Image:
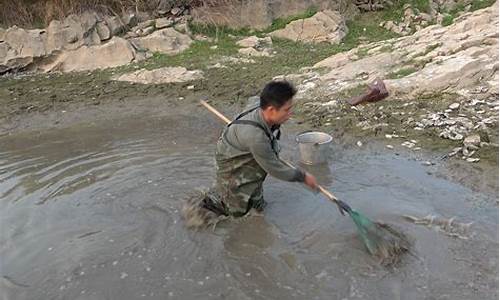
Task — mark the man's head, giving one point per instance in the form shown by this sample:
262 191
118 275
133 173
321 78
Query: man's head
276 101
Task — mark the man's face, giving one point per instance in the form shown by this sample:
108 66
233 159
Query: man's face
281 115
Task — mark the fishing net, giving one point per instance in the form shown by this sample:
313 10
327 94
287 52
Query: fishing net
381 240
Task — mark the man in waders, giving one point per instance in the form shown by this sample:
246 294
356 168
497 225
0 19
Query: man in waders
248 150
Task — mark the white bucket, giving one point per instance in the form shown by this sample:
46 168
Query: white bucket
314 147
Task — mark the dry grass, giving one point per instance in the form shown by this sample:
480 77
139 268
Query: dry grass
39 13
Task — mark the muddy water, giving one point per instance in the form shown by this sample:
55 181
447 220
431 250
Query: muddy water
92 212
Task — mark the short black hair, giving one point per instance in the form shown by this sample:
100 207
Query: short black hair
276 93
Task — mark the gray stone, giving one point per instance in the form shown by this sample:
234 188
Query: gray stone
94 38
162 75
255 42
163 23
325 26
147 31
145 24
426 17
115 25
168 41
472 160
176 11
129 19
103 31
472 140
2 34
116 52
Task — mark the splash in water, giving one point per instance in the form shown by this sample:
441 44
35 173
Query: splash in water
196 212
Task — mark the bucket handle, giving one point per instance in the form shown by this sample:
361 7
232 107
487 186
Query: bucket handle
307 131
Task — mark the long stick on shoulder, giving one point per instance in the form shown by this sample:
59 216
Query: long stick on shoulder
227 121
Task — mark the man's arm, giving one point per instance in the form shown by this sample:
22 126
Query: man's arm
269 161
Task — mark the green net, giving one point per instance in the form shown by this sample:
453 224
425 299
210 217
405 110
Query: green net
381 240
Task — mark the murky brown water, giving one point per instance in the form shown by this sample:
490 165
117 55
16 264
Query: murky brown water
92 212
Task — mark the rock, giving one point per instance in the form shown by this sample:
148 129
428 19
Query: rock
255 42
115 25
182 27
176 11
164 6
25 43
472 140
87 20
21 47
103 31
199 37
472 160
326 26
253 52
148 31
426 17
163 23
408 13
389 147
162 75
168 41
114 53
145 24
454 106
455 64
94 38
130 35
61 36
129 19
408 144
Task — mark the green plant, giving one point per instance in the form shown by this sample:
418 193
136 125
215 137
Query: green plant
447 20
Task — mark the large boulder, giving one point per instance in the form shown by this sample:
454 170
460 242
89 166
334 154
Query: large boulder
436 59
72 33
168 41
24 43
325 26
260 14
161 23
116 52
162 75
20 47
103 31
115 24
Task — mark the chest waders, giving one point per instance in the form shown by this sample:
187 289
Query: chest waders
240 179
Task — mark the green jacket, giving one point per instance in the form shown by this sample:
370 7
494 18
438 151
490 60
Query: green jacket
244 143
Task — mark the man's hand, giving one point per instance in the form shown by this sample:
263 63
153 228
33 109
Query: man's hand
311 182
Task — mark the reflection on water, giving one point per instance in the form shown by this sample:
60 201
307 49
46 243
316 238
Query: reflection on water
92 212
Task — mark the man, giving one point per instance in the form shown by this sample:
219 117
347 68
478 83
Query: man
248 150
